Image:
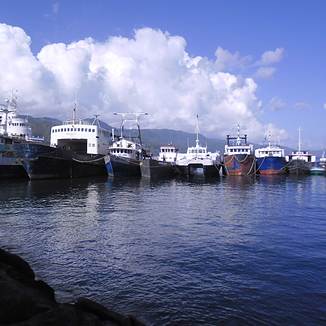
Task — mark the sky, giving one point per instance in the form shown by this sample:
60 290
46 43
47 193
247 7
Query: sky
261 64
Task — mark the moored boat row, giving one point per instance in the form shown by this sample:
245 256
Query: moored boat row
81 148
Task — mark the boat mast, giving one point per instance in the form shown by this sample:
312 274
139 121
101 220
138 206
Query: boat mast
74 113
130 116
299 141
269 138
197 132
238 138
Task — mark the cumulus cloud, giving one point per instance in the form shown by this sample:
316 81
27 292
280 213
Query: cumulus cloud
55 8
151 72
265 72
225 60
271 57
265 66
301 105
276 104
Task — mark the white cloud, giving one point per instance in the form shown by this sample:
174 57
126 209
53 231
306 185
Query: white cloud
265 72
276 104
271 57
55 8
150 72
225 60
301 105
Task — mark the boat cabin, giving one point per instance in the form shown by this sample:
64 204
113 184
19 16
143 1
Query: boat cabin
237 145
302 156
126 149
13 125
168 153
269 151
81 137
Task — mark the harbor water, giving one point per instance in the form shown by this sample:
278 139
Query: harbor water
235 250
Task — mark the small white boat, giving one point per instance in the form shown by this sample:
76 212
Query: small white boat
198 160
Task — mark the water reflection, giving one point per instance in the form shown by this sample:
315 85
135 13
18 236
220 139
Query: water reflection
178 250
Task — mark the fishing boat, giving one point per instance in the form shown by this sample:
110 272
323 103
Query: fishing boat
317 170
198 161
161 167
300 162
239 158
270 160
77 149
322 161
16 140
126 153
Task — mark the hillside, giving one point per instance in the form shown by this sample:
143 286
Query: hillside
152 138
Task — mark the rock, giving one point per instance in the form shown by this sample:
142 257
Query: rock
18 263
100 311
19 300
63 315
25 301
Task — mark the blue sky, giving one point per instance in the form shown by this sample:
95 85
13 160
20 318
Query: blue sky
293 95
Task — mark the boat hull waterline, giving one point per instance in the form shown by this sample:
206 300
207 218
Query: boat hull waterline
155 169
240 164
122 167
271 165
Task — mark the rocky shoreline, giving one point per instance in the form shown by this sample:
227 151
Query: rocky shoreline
25 301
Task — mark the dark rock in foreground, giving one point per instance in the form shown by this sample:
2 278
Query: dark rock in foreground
25 301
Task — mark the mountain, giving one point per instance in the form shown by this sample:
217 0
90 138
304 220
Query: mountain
42 126
152 138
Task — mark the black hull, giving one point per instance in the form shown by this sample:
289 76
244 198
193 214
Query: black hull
12 172
299 167
154 169
48 168
64 166
122 167
85 168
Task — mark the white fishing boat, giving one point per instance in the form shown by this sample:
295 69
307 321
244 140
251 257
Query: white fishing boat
16 140
198 160
322 161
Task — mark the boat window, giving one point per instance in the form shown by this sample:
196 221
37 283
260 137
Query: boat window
82 129
78 129
93 130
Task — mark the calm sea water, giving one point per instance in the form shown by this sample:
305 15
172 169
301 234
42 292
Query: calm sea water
232 251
